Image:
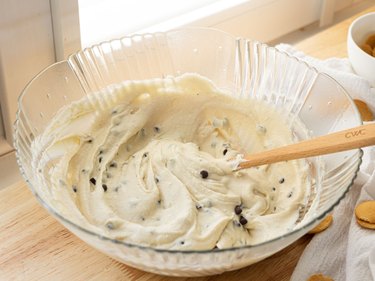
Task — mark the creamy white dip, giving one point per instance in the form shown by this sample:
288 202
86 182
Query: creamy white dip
150 163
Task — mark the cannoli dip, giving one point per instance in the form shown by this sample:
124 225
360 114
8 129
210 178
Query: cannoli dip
150 163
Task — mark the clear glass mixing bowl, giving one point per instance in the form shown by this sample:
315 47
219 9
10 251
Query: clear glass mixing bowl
249 70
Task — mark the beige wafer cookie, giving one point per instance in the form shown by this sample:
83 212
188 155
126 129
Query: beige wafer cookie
365 214
319 277
364 110
369 45
367 48
371 40
366 224
323 225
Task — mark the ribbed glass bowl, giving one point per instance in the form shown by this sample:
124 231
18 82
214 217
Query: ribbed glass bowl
249 70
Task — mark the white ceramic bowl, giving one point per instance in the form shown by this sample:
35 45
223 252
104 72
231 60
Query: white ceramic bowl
363 63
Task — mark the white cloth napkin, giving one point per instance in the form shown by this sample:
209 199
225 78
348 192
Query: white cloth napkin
345 251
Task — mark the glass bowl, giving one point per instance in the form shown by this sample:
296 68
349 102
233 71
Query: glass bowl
247 69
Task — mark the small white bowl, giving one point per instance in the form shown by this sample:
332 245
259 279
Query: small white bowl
362 63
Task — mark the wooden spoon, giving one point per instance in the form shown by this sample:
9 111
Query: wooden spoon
357 137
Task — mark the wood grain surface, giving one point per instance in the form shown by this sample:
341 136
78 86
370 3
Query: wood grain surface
34 246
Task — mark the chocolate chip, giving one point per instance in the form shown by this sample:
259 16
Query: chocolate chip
114 111
159 202
225 151
156 180
105 187
198 206
100 159
113 165
145 154
182 242
238 210
101 151
156 129
243 220
273 188
110 225
290 194
93 181
204 174
282 180
89 141
74 188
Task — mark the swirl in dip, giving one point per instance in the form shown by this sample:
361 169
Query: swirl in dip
150 163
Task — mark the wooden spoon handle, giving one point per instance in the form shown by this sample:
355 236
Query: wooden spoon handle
357 137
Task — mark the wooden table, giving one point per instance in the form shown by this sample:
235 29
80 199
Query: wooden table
33 246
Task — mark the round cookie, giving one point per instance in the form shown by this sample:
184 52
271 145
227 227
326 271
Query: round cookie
367 48
366 224
319 277
371 40
323 225
365 214
364 110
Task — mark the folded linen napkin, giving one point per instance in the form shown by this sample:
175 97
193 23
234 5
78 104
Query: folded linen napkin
344 251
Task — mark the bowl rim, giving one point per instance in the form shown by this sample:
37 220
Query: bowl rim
64 220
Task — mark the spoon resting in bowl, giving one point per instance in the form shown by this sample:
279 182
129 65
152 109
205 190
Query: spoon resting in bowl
356 137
